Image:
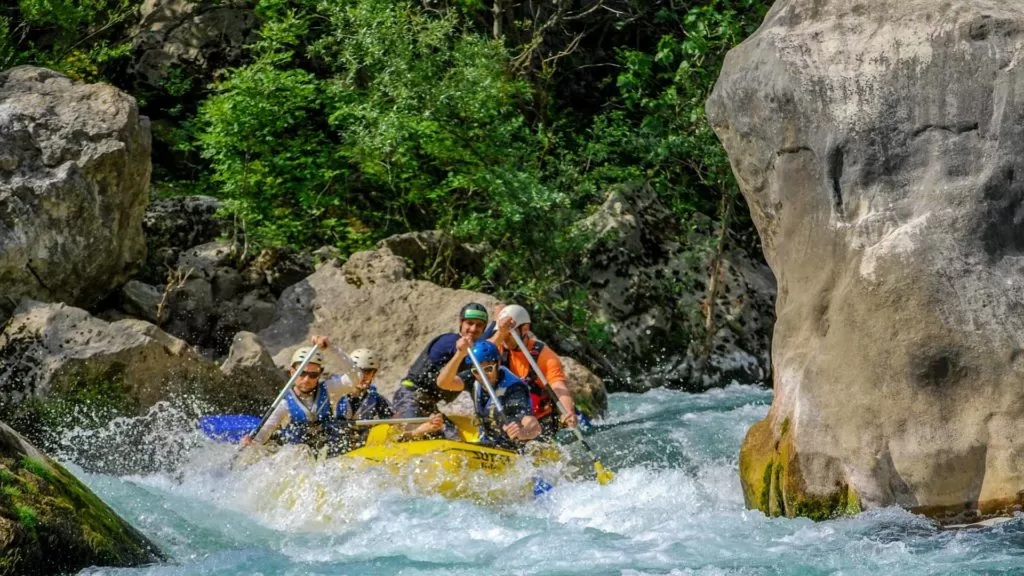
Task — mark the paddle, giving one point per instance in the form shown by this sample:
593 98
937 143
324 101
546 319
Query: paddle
604 475
388 421
540 486
280 395
487 385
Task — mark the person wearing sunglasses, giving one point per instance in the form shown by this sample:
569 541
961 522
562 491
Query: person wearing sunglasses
517 425
308 412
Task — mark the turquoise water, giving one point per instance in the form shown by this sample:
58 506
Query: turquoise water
675 508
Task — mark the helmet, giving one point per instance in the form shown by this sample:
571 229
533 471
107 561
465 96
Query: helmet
473 311
365 359
300 355
517 313
484 351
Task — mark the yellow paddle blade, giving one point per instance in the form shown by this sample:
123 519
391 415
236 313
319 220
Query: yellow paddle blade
603 476
378 435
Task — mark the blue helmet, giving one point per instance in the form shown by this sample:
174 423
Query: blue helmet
484 351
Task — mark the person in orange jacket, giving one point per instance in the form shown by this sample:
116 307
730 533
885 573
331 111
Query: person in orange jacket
515 317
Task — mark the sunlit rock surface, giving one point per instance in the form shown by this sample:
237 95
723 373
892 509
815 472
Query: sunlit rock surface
74 183
880 146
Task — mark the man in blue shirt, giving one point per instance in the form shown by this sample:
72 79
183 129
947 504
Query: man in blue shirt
419 394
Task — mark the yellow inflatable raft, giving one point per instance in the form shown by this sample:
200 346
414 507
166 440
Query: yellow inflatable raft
457 469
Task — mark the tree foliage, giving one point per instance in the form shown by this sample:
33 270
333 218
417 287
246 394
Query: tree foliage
504 122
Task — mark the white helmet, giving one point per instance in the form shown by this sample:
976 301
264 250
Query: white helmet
300 356
516 312
365 359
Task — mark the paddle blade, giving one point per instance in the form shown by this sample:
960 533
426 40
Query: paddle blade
228 427
604 476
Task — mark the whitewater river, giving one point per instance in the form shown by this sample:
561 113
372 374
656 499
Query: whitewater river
675 508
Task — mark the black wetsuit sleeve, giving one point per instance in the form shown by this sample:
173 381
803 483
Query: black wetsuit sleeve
384 409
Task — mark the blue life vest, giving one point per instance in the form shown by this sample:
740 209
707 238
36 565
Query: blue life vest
297 431
370 406
490 426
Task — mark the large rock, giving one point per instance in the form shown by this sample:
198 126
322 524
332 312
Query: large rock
253 375
880 146
50 523
650 290
57 352
74 181
435 256
371 302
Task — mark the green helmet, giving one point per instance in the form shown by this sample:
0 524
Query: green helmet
473 311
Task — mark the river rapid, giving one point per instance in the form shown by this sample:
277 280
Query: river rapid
675 508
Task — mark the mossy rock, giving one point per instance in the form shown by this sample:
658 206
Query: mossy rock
51 523
773 483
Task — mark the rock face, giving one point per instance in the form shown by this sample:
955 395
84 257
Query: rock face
251 369
880 146
649 289
74 181
50 523
173 225
54 352
201 35
371 302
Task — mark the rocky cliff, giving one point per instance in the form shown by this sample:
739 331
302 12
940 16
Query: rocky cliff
879 146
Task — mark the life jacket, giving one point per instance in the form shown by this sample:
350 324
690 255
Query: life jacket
369 406
308 426
540 396
423 374
489 422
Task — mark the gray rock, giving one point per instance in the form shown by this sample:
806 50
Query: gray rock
259 311
73 187
434 255
204 260
879 146
190 310
250 371
650 291
141 300
280 267
227 284
50 349
199 35
172 226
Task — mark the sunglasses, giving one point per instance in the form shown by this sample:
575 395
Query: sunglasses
489 368
308 374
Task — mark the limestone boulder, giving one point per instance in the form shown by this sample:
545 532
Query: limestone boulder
51 523
880 147
649 285
251 373
372 302
54 354
74 182
435 256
